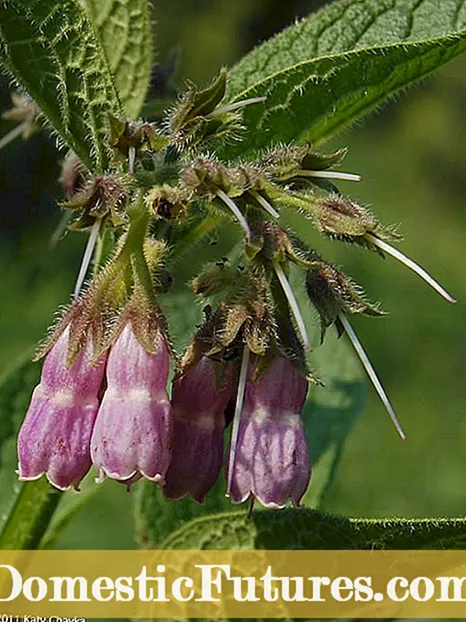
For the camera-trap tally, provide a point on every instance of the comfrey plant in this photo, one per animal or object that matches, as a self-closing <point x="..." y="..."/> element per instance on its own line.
<point x="115" y="392"/>
<point x="251" y="348"/>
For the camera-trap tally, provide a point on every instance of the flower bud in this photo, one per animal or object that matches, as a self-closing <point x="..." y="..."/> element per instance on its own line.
<point x="199" y="401"/>
<point x="133" y="430"/>
<point x="333" y="293"/>
<point x="54" y="438"/>
<point x="271" y="460"/>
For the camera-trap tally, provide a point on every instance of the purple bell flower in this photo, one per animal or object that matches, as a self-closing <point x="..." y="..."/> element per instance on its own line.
<point x="271" y="461"/>
<point x="199" y="400"/>
<point x="133" y="431"/>
<point x="54" y="438"/>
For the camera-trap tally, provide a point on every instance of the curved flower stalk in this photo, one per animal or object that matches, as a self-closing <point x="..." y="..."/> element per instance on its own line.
<point x="54" y="438"/>
<point x="199" y="400"/>
<point x="271" y="462"/>
<point x="133" y="430"/>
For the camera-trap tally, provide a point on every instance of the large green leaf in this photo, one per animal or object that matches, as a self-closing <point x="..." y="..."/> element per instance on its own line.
<point x="325" y="72"/>
<point x="344" y="26"/>
<point x="125" y="31"/>
<point x="53" y="52"/>
<point x="308" y="529"/>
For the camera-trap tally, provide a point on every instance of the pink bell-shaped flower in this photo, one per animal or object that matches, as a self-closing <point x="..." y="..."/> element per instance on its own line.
<point x="271" y="460"/>
<point x="199" y="400"/>
<point x="133" y="431"/>
<point x="55" y="436"/>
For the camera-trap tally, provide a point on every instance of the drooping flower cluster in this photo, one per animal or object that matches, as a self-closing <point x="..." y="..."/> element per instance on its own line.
<point x="104" y="396"/>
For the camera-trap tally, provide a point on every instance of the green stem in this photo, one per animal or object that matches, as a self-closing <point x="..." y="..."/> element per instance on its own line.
<point x="30" y="516"/>
<point x="136" y="237"/>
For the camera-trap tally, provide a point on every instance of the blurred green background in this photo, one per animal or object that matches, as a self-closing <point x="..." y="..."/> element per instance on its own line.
<point x="412" y="155"/>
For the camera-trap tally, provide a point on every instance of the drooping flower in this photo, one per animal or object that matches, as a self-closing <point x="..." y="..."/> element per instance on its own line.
<point x="133" y="431"/>
<point x="54" y="438"/>
<point x="199" y="400"/>
<point x="271" y="461"/>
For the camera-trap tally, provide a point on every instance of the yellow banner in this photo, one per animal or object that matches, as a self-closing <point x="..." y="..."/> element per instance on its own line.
<point x="228" y="584"/>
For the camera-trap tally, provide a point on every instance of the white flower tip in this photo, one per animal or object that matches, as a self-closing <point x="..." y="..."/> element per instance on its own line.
<point x="409" y="263"/>
<point x="235" y="211"/>
<point x="287" y="289"/>
<point x="371" y="373"/>
<point x="326" y="174"/>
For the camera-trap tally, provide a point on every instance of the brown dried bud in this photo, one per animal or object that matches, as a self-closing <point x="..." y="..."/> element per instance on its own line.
<point x="104" y="197"/>
<point x="333" y="293"/>
<point x="168" y="202"/>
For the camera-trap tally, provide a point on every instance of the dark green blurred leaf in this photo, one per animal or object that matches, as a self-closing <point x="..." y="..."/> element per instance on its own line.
<point x="125" y="31"/>
<point x="157" y="518"/>
<point x="327" y="71"/>
<point x="331" y="412"/>
<point x="69" y="509"/>
<point x="307" y="529"/>
<point x="52" y="51"/>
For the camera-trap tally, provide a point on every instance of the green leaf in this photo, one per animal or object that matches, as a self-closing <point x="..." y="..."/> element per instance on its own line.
<point x="344" y="26"/>
<point x="156" y="517"/>
<point x="52" y="51"/>
<point x="308" y="529"/>
<point x="125" y="31"/>
<point x="316" y="84"/>
<point x="25" y="509"/>
<point x="29" y="515"/>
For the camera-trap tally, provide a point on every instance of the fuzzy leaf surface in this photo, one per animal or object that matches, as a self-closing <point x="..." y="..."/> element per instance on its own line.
<point x="344" y="26"/>
<point x="125" y="31"/>
<point x="310" y="529"/>
<point x="51" y="49"/>
<point x="325" y="72"/>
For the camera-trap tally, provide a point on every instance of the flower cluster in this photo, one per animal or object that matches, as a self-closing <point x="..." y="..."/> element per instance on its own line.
<point x="104" y="396"/>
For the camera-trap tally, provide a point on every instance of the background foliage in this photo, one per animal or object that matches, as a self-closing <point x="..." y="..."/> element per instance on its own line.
<point x="418" y="350"/>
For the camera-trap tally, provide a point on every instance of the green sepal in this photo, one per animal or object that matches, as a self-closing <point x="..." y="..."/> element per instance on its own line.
<point x="142" y="136"/>
<point x="198" y="103"/>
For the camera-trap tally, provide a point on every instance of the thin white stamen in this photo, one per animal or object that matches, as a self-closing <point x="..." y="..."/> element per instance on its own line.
<point x="394" y="252"/>
<point x="265" y="204"/>
<point x="371" y="373"/>
<point x="236" y="211"/>
<point x="86" y="260"/>
<point x="12" y="134"/>
<point x="331" y="175"/>
<point x="293" y="304"/>
<point x="236" y="105"/>
<point x="243" y="374"/>
<point x="131" y="160"/>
